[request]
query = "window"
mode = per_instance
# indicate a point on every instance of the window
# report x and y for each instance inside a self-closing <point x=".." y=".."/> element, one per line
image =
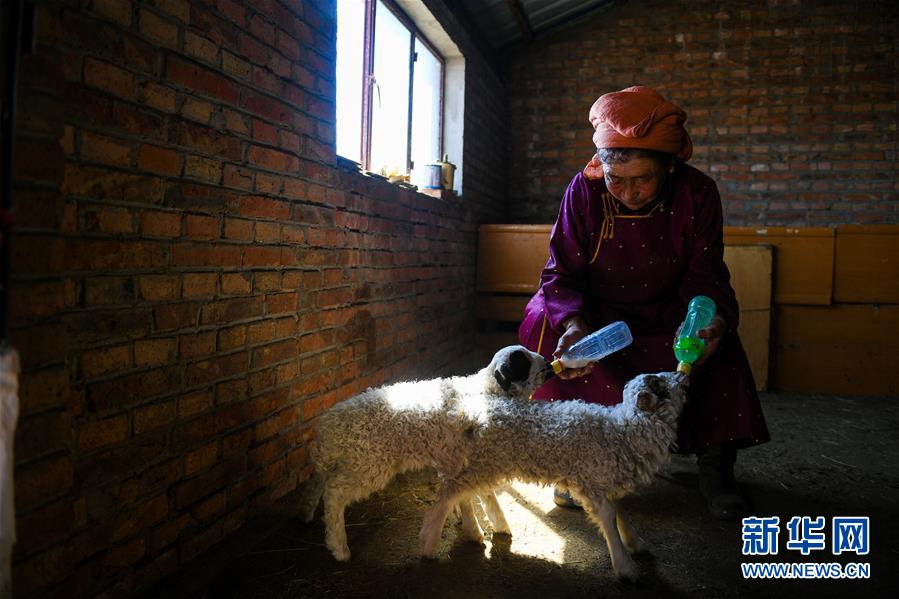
<point x="389" y="90"/>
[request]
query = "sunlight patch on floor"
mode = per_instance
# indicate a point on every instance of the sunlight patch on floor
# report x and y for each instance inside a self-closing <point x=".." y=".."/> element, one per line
<point x="526" y="506"/>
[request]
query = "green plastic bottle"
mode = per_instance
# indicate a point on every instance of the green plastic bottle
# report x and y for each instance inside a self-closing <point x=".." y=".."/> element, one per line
<point x="688" y="347"/>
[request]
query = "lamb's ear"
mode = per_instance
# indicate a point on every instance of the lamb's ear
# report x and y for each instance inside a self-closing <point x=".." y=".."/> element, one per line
<point x="647" y="401"/>
<point x="501" y="378"/>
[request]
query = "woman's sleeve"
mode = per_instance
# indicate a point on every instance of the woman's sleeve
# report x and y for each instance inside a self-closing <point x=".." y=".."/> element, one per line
<point x="706" y="272"/>
<point x="563" y="281"/>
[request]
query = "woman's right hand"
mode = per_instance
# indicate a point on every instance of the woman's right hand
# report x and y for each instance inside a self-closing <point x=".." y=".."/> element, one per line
<point x="575" y="330"/>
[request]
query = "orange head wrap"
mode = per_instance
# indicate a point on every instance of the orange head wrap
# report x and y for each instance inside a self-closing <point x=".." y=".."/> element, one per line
<point x="638" y="117"/>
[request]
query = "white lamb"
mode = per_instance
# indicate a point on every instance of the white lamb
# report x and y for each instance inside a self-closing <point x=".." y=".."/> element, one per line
<point x="363" y="442"/>
<point x="600" y="453"/>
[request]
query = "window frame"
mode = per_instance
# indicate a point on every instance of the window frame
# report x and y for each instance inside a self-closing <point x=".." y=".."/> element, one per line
<point x="368" y="81"/>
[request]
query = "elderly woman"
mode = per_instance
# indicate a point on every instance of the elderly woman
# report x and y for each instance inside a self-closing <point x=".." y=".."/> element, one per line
<point x="639" y="233"/>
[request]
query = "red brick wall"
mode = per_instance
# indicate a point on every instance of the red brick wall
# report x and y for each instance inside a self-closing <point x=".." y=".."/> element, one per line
<point x="792" y="104"/>
<point x="196" y="278"/>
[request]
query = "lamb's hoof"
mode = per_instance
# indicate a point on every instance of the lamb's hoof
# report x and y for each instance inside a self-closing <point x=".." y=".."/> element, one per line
<point x="473" y="534"/>
<point x="341" y="554"/>
<point x="626" y="571"/>
<point x="502" y="529"/>
<point x="428" y="546"/>
<point x="637" y="546"/>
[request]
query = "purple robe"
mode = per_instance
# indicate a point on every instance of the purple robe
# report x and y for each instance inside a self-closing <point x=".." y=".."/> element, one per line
<point x="608" y="263"/>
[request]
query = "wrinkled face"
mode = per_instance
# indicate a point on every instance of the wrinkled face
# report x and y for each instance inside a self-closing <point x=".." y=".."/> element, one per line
<point x="519" y="371"/>
<point x="634" y="183"/>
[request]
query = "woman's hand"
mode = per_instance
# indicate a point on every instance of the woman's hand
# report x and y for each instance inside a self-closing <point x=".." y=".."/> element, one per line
<point x="712" y="335"/>
<point x="575" y="330"/>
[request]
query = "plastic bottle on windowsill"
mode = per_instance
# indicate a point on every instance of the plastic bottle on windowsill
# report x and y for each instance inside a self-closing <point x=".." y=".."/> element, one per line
<point x="595" y="346"/>
<point x="688" y="347"/>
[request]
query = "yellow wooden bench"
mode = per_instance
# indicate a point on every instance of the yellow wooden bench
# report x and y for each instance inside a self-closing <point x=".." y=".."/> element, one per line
<point x="823" y="302"/>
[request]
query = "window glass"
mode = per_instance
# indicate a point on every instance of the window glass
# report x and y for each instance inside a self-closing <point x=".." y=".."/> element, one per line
<point x="426" y="94"/>
<point x="350" y="53"/>
<point x="390" y="94"/>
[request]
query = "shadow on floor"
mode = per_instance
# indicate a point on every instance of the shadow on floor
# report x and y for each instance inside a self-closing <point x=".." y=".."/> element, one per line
<point x="830" y="456"/>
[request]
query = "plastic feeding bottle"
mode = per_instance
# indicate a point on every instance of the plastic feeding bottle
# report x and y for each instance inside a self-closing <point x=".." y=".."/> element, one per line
<point x="689" y="347"/>
<point x="595" y="346"/>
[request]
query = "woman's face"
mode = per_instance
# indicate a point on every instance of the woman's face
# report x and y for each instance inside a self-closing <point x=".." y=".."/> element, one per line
<point x="634" y="183"/>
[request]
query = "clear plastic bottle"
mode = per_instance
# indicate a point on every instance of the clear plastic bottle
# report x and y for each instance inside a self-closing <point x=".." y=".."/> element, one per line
<point x="689" y="347"/>
<point x="595" y="346"/>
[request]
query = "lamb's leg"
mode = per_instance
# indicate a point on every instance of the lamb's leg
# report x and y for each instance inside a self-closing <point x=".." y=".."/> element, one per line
<point x="495" y="513"/>
<point x="335" y="526"/>
<point x="311" y="496"/>
<point x="471" y="530"/>
<point x="630" y="537"/>
<point x="435" y="518"/>
<point x="601" y="512"/>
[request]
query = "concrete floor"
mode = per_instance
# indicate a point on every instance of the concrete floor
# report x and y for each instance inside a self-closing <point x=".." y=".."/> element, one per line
<point x="830" y="456"/>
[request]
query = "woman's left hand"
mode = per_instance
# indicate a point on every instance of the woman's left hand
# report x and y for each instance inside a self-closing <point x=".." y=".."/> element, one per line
<point x="712" y="335"/>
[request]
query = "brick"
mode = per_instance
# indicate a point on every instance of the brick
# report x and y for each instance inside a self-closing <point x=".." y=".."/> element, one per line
<point x="201" y="459"/>
<point x="197" y="285"/>
<point x="238" y="230"/>
<point x="237" y="176"/>
<point x="269" y="184"/>
<point x="203" y="169"/>
<point x="194" y="403"/>
<point x="174" y="316"/>
<point x="236" y="66"/>
<point x="159" y="287"/>
<point x="154" y="352"/>
<point x="159" y="160"/>
<point x="105" y="150"/>
<point x="38" y="481"/>
<point x="208" y="371"/>
<point x="110" y="220"/>
<point x="267" y="232"/>
<point x="122" y="556"/>
<point x="138" y="519"/>
<point x="262" y="29"/>
<point x="260" y="207"/>
<point x="196" y="345"/>
<point x="118" y="11"/>
<point x="205" y="255"/>
<point x="127" y="390"/>
<point x="47" y="525"/>
<point x="40" y="299"/>
<point x="109" y="78"/>
<point x="197" y="78"/>
<point x="153" y="416"/>
<point x="108" y="359"/>
<point x="262" y="256"/>
<point x="236" y="122"/>
<point x="197" y="488"/>
<point x="201" y="48"/>
<point x="42" y="434"/>
<point x="281" y="302"/>
<point x="157" y="96"/>
<point x="236" y="284"/>
<point x="234" y="11"/>
<point x="201" y="227"/>
<point x="230" y="310"/>
<point x="100" y="183"/>
<point x="160" y="224"/>
<point x="99" y="433"/>
<point x="158" y="29"/>
<point x="42" y="389"/>
<point x="232" y="338"/>
<point x="276" y="352"/>
<point x="197" y="110"/>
